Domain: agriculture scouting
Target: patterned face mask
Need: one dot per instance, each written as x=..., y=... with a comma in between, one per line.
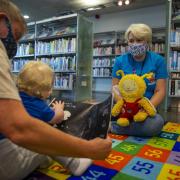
x=9, y=42
x=137, y=49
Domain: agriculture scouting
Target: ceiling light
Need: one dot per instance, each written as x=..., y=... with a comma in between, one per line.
x=91, y=2
x=94, y=8
x=127, y=2
x=120, y=3
x=26, y=17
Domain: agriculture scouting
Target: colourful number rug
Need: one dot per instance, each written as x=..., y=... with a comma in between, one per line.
x=132, y=158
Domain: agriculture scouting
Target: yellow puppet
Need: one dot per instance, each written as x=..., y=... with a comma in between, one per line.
x=133, y=105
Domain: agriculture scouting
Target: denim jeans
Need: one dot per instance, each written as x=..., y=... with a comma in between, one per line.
x=152, y=126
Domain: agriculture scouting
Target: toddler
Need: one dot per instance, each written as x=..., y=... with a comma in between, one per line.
x=35, y=82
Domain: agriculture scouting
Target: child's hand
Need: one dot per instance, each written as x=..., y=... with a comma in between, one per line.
x=58, y=108
x=58, y=105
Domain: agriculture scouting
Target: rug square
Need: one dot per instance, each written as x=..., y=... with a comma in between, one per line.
x=174, y=158
x=153, y=153
x=115, y=160
x=169, y=171
x=96, y=172
x=142, y=168
x=137, y=140
x=161, y=143
x=128, y=148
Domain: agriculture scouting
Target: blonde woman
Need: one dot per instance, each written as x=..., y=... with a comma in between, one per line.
x=139, y=60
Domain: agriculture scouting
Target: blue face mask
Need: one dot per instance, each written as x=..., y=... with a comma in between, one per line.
x=137, y=49
x=9, y=42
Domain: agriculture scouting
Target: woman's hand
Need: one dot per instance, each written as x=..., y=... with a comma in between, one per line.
x=116, y=93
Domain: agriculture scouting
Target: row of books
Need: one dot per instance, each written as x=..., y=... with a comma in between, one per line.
x=103, y=42
x=61, y=63
x=102, y=51
x=63, y=82
x=56, y=46
x=57, y=64
x=103, y=62
x=25, y=49
x=121, y=49
x=158, y=47
x=175, y=75
x=106, y=72
x=174, y=60
x=175, y=37
x=174, y=87
x=17, y=65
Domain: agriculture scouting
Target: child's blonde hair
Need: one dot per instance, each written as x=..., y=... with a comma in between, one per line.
x=34, y=78
x=140, y=31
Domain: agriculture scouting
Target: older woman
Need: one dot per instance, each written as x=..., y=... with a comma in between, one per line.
x=139, y=60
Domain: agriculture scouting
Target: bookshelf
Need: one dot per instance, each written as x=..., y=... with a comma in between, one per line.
x=103, y=60
x=56, y=46
x=26, y=49
x=65, y=43
x=158, y=40
x=174, y=55
x=103, y=54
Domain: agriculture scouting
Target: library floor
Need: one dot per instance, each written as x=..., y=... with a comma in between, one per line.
x=173, y=113
x=171, y=116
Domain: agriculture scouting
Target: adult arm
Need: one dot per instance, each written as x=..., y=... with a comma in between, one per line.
x=159, y=93
x=115, y=81
x=115, y=90
x=23, y=130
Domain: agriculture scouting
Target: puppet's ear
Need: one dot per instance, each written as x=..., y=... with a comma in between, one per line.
x=120, y=72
